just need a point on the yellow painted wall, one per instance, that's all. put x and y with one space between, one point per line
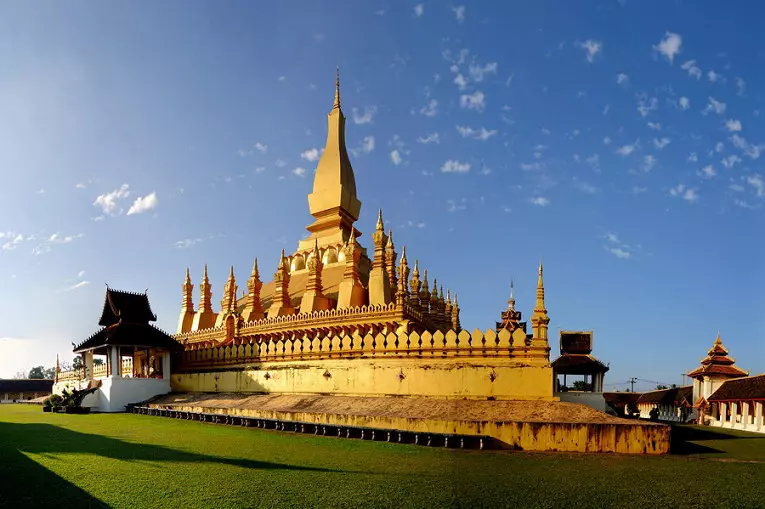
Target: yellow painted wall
631 438
446 378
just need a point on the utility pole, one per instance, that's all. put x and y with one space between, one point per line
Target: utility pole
632 383
684 375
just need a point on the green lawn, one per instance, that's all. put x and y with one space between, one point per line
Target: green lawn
128 460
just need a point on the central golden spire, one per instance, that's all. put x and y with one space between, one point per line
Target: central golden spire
333 202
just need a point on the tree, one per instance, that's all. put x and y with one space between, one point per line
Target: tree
98 362
580 385
661 387
37 373
77 363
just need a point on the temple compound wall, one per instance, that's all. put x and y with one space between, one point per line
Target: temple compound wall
480 365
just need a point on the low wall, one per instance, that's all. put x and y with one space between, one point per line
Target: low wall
115 393
394 376
618 435
591 399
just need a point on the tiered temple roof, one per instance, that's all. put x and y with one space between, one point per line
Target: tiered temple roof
718 363
125 320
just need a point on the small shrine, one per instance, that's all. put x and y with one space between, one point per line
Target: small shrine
576 359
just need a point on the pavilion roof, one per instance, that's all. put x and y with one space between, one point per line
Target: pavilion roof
578 364
126 307
674 396
26 385
129 334
717 362
751 387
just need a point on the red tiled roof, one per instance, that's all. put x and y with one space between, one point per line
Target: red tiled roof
578 364
717 369
750 387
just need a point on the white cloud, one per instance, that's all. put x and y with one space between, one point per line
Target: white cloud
707 171
364 118
693 70
716 106
57 238
395 157
693 157
281 78
757 182
712 76
312 154
459 13
260 169
481 134
661 143
593 161
752 151
730 161
460 81
474 101
455 206
686 193
454 166
740 86
14 239
78 285
280 163
733 125
669 46
606 140
419 10
430 138
649 163
478 72
261 147
540 201
300 172
81 274
430 109
592 48
647 105
108 201
683 103
622 79
655 126
367 146
144 204
628 149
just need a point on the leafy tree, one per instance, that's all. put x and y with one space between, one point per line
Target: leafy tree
36 373
661 387
77 363
580 385
98 362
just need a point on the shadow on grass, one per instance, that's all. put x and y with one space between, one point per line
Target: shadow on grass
28 484
684 439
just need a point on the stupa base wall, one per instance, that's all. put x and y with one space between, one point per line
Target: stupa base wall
483 378
518 425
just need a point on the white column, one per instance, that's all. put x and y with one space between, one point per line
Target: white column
89 365
166 365
745 418
114 362
723 413
733 414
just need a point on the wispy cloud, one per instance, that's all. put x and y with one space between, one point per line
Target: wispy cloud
459 13
661 143
733 125
686 193
592 48
715 106
430 109
419 10
365 117
454 166
78 285
299 172
669 46
261 147
627 149
482 134
707 171
683 103
109 202
395 157
616 247
367 146
692 69
477 72
430 138
622 79
311 154
539 201
475 101
144 204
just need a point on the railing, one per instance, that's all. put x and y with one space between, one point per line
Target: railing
127 367
489 344
74 374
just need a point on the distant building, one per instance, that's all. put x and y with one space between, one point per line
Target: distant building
737 404
715 369
673 405
623 403
12 391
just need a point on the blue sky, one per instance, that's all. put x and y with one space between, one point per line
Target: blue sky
619 141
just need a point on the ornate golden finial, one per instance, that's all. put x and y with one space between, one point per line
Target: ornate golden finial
416 270
204 274
718 341
188 277
231 273
380 225
336 106
511 302
255 272
403 254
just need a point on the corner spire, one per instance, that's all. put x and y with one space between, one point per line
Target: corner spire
380 224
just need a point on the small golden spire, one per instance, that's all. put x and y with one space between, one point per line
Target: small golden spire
336 106
718 341
255 272
403 254
416 270
188 276
231 273
204 274
389 246
380 225
511 302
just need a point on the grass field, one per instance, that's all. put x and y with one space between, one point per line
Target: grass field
126 460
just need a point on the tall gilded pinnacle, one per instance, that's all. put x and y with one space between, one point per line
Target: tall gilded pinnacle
333 202
540 321
228 304
379 281
336 106
205 317
313 297
390 260
414 285
351 293
281 304
425 294
511 301
402 290
456 314
253 307
186 320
